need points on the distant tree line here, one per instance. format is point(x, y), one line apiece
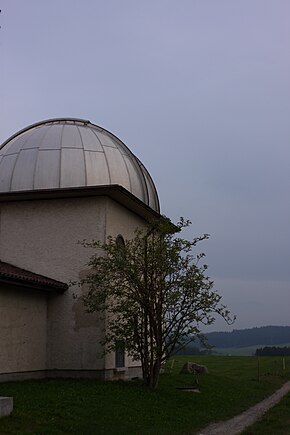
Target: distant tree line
point(194, 350)
point(273, 351)
point(265, 335)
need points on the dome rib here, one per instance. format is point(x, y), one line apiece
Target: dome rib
point(38, 154)
point(104, 155)
point(60, 157)
point(84, 157)
point(64, 153)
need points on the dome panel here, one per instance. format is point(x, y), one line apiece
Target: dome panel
point(22, 175)
point(6, 170)
point(105, 139)
point(71, 137)
point(118, 170)
point(97, 168)
point(52, 140)
point(73, 172)
point(16, 145)
point(36, 138)
point(90, 140)
point(151, 189)
point(47, 170)
point(136, 186)
point(68, 153)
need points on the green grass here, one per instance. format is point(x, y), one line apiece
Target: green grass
point(95, 407)
point(275, 421)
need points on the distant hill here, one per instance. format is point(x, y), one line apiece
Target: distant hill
point(265, 335)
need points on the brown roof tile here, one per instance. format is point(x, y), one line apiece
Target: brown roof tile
point(15, 275)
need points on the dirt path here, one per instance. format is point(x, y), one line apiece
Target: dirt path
point(239, 423)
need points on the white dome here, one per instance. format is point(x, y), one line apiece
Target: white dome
point(67, 153)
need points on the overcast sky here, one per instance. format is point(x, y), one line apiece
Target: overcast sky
point(199, 91)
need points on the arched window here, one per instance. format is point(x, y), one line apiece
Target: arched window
point(120, 241)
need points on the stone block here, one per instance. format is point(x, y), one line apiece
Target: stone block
point(193, 368)
point(6, 406)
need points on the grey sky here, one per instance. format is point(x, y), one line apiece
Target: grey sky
point(199, 90)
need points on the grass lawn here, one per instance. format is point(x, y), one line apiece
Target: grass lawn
point(276, 421)
point(95, 407)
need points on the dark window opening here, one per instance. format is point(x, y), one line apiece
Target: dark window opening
point(120, 241)
point(120, 354)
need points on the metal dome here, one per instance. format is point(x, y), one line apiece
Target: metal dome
point(67, 153)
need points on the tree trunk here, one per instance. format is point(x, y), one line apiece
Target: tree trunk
point(154, 374)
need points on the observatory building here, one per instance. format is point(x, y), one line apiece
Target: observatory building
point(62, 181)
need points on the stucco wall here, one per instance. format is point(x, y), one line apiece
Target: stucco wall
point(124, 222)
point(22, 330)
point(42, 236)
point(120, 220)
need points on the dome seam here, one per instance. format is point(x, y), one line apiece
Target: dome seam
point(36, 160)
point(60, 157)
point(84, 156)
point(107, 163)
point(16, 160)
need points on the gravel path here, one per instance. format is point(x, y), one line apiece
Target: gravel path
point(239, 423)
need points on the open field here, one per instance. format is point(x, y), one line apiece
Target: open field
point(87, 407)
point(243, 351)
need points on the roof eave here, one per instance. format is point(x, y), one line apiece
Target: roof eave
point(114, 191)
point(13, 281)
